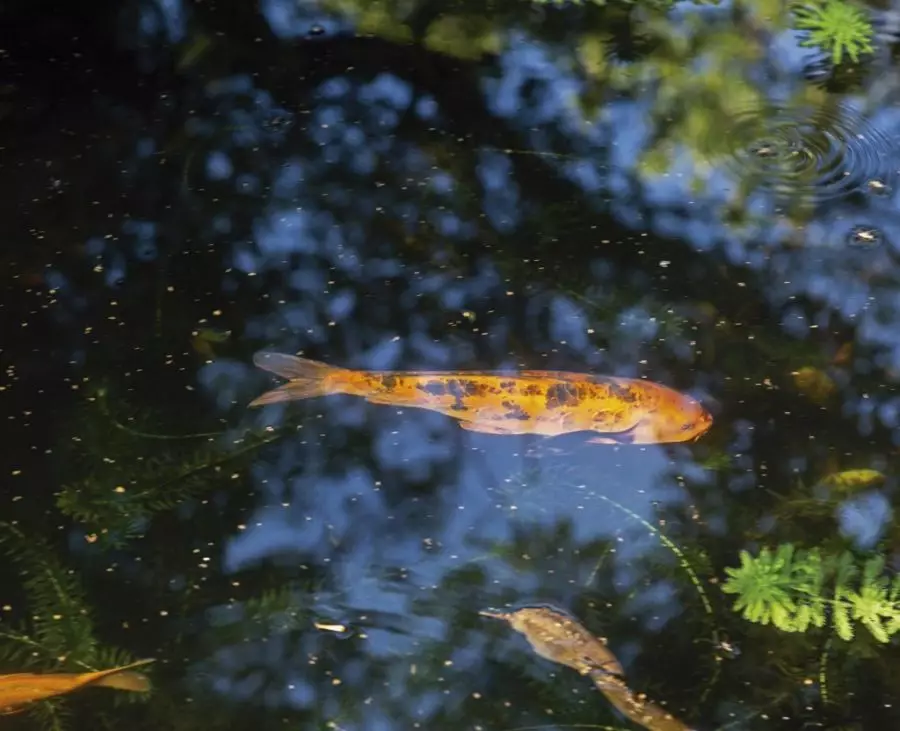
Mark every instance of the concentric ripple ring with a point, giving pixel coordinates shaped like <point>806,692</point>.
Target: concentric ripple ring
<point>806,152</point>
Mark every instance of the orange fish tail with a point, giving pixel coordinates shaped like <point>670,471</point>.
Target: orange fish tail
<point>123,678</point>
<point>307,378</point>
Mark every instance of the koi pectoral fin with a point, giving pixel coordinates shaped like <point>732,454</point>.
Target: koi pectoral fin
<point>483,428</point>
<point>389,400</point>
<point>602,440</point>
<point>622,437</point>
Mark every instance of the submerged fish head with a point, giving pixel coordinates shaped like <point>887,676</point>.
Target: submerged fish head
<point>677,418</point>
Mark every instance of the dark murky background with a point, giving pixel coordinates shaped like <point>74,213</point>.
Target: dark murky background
<point>698,200</point>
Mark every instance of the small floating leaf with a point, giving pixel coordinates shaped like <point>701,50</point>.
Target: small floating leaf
<point>851,481</point>
<point>815,384</point>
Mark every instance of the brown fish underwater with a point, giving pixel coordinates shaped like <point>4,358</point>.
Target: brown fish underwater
<point>20,689</point>
<point>560,638</point>
<point>549,403</point>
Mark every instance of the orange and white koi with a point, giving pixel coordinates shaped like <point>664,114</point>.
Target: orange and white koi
<point>548,403</point>
<point>19,689</point>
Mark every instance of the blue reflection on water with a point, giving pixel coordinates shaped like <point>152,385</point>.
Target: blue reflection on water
<point>365,519</point>
<point>865,518</point>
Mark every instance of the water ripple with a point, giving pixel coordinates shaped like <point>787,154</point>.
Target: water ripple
<point>809,153</point>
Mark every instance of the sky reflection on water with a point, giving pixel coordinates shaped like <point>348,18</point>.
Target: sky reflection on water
<point>498,198</point>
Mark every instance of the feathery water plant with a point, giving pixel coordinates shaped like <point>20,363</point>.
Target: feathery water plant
<point>838,27</point>
<point>794,589</point>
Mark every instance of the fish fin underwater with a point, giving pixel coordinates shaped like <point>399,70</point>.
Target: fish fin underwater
<point>602,440</point>
<point>488,428</point>
<point>126,678</point>
<point>20,690</point>
<point>622,437</point>
<point>306,378</point>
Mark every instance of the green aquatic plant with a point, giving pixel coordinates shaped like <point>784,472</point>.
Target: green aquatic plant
<point>657,4</point>
<point>838,27</point>
<point>796,589</point>
<point>59,632</point>
<point>128,476</point>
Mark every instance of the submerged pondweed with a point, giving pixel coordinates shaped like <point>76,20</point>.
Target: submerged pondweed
<point>558,637</point>
<point>797,589</point>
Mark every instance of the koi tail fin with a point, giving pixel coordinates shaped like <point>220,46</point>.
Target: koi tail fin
<point>307,378</point>
<point>125,679</point>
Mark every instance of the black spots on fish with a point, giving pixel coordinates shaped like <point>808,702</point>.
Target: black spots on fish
<point>433,388</point>
<point>389,382</point>
<point>562,394</point>
<point>532,390</point>
<point>454,386</point>
<point>622,393</point>
<point>608,418</point>
<point>473,388</point>
<point>456,389</point>
<point>508,386</point>
<point>514,411</point>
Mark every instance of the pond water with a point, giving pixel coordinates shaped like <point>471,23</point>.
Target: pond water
<point>686,194</point>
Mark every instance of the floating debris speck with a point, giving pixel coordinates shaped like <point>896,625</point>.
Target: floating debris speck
<point>864,237</point>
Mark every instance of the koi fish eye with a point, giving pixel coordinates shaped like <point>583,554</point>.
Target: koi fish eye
<point>685,427</point>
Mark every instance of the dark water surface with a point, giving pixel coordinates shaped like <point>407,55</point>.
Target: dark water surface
<point>438,186</point>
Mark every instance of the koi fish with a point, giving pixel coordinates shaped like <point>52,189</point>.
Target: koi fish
<point>548,403</point>
<point>20,689</point>
<point>556,636</point>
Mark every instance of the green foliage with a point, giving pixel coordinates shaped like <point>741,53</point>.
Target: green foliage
<point>60,624</point>
<point>59,630</point>
<point>602,3</point>
<point>129,478</point>
<point>836,26</point>
<point>795,589</point>
<point>568,2</point>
